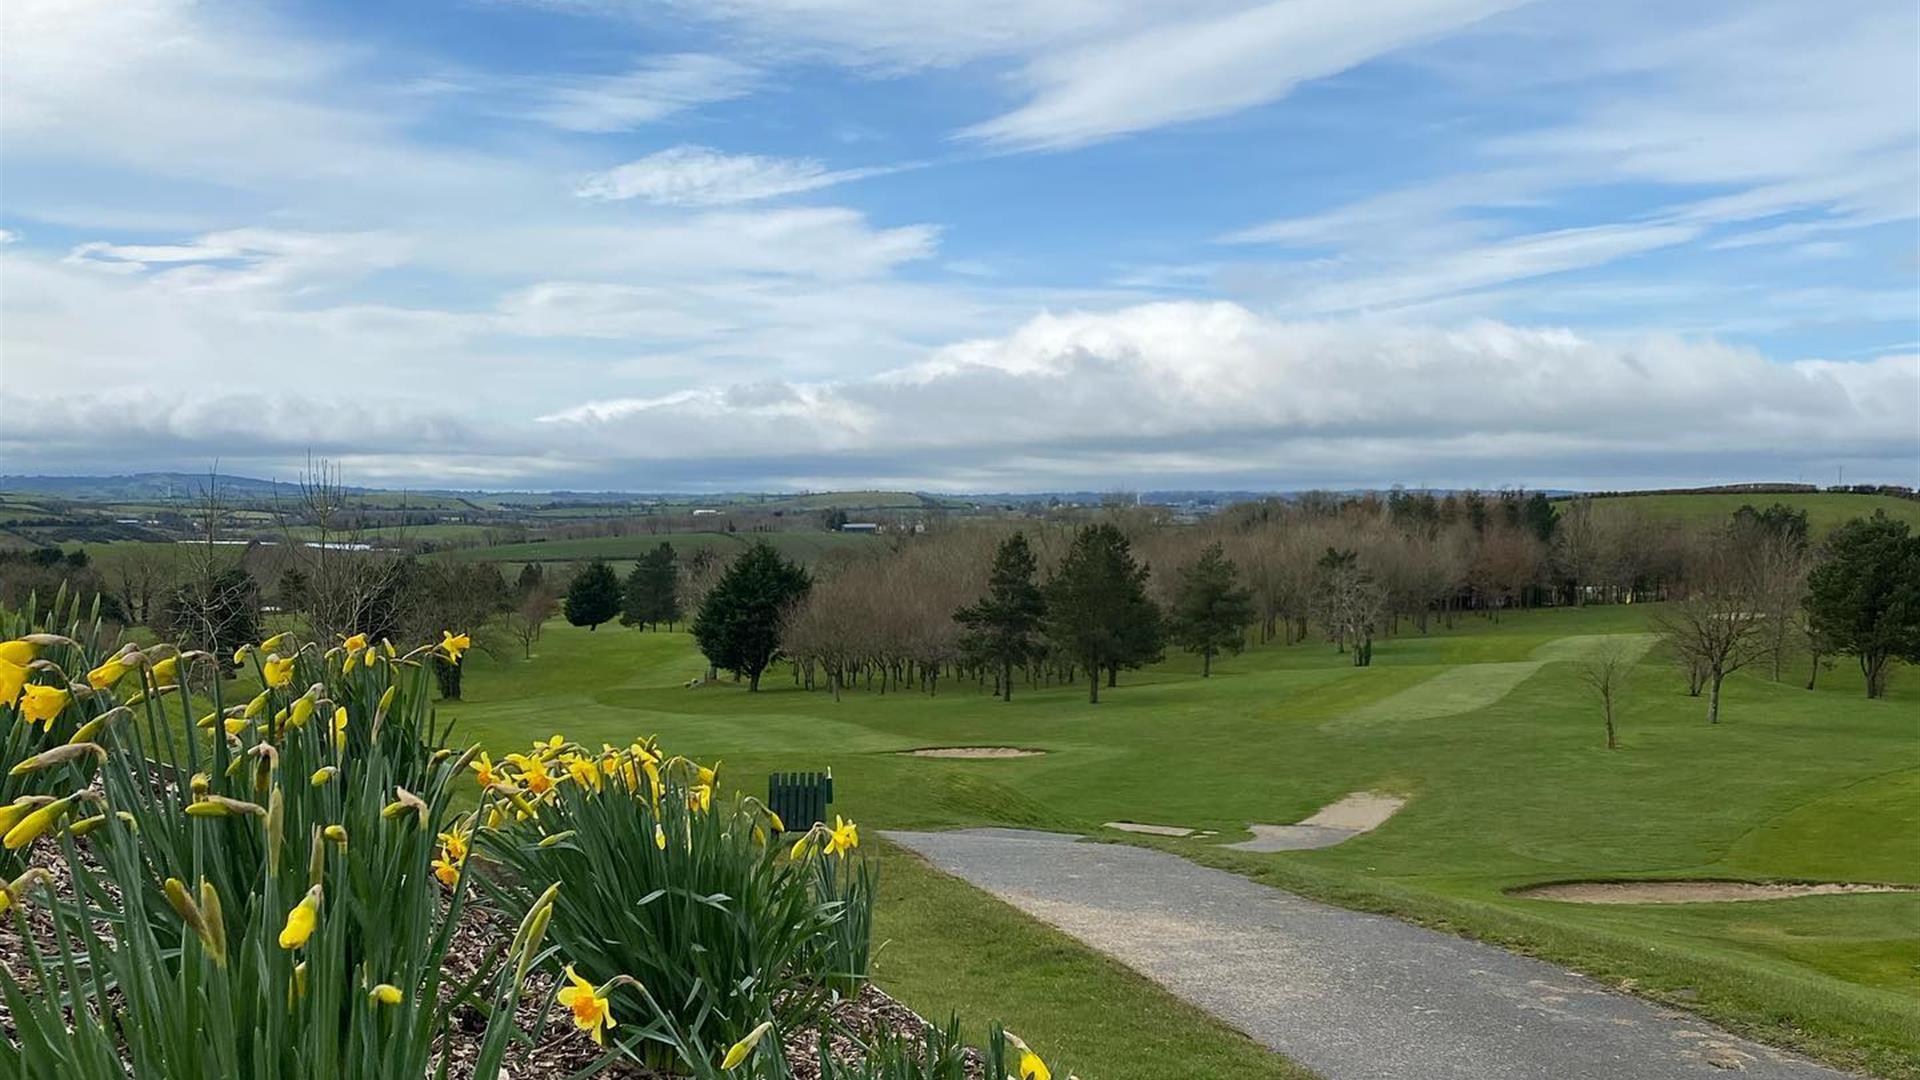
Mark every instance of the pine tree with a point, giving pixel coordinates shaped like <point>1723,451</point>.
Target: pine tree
<point>1210,610</point>
<point>633,596</point>
<point>593,597</point>
<point>738,627</point>
<point>1864,598</point>
<point>1002,629</point>
<point>651,595</point>
<point>1098,612</point>
<point>531,580</point>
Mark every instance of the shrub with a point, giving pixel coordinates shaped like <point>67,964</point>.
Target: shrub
<point>681,890</point>
<point>256,897</point>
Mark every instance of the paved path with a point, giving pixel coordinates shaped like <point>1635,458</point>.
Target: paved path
<point>1350,995</point>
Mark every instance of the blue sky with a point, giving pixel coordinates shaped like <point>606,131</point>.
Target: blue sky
<point>982,245</point>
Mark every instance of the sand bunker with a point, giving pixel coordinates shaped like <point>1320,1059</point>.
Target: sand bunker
<point>1150,830</point>
<point>1360,812</point>
<point>973,752</point>
<point>1693,892</point>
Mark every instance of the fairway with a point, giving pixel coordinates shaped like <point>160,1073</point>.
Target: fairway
<point>1486,731</point>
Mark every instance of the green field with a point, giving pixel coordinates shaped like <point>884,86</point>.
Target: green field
<point>804,546</point>
<point>1824,509</point>
<point>1485,728</point>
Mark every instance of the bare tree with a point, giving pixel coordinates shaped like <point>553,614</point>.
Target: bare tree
<point>1607,673</point>
<point>350,588</point>
<point>1715,630</point>
<point>525,618</point>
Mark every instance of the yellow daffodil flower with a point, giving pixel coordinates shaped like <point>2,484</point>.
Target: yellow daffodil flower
<point>323,775</point>
<point>278,672</point>
<point>106,674</point>
<point>273,642</point>
<point>454,843</point>
<point>355,643</point>
<point>447,871</point>
<point>302,920</point>
<point>738,1052</point>
<point>18,653</point>
<point>659,837</point>
<point>454,644</point>
<point>583,771</point>
<point>301,713</point>
<point>12,678</point>
<point>1029,1066</point>
<point>591,1012</point>
<point>42,704</point>
<point>167,672</point>
<point>35,824</point>
<point>845,837</point>
<point>386,994</point>
<point>484,771</point>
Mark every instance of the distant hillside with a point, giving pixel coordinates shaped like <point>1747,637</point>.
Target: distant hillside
<point>1825,509</point>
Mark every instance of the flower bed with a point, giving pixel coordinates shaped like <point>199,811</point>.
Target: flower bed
<point>313,883</point>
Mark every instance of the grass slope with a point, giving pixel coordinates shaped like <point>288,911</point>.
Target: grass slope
<point>1824,509</point>
<point>1508,781</point>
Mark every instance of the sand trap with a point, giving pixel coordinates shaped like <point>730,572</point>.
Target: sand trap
<point>1693,892</point>
<point>973,752</point>
<point>1360,812</point>
<point>1150,830</point>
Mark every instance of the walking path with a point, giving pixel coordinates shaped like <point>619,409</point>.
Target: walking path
<point>1350,995</point>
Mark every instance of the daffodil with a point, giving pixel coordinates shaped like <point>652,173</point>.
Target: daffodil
<point>454,843</point>
<point>166,672</point>
<point>258,706</point>
<point>273,642</point>
<point>447,871</point>
<point>35,824</point>
<point>1028,1065</point>
<point>107,674</point>
<point>659,837</point>
<point>591,1012</point>
<point>301,712</point>
<point>844,838</point>
<point>302,920</point>
<point>584,771</point>
<point>278,672</point>
<point>355,643</point>
<point>42,704</point>
<point>340,729</point>
<point>12,678</point>
<point>386,994</point>
<point>484,771</point>
<point>454,644</point>
<point>738,1052</point>
<point>17,652</point>
<point>323,775</point>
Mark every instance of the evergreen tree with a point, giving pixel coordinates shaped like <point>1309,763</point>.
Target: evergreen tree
<point>1210,609</point>
<point>594,596</point>
<point>1003,628</point>
<point>652,592</point>
<point>1865,598</point>
<point>1098,612</point>
<point>738,626</point>
<point>531,580</point>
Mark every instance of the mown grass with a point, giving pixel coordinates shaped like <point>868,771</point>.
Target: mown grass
<point>1506,789</point>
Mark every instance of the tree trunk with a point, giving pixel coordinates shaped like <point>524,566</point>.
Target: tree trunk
<point>1206,663</point>
<point>1113,674</point>
<point>1093,684</point>
<point>753,682</point>
<point>1611,743</point>
<point>1713,699</point>
<point>1874,666</point>
<point>1006,681</point>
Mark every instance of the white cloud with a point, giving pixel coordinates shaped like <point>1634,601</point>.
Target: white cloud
<point>1210,66</point>
<point>1232,393</point>
<point>653,91</point>
<point>699,176</point>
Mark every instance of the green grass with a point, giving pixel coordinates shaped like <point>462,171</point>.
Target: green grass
<point>1508,781</point>
<point>1824,509</point>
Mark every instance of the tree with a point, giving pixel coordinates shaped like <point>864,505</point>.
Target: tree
<point>738,627</point>
<point>1350,600</point>
<point>529,614</point>
<point>1211,610</point>
<point>1715,630</point>
<point>593,596</point>
<point>1606,673</point>
<point>1002,628</point>
<point>532,579</point>
<point>1098,613</point>
<point>218,613</point>
<point>652,592</point>
<point>1864,598</point>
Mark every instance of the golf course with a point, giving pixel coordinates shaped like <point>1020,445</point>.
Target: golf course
<point>1484,731</point>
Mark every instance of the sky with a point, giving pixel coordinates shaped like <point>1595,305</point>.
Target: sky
<point>963,245</point>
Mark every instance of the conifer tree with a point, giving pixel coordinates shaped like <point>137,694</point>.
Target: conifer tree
<point>594,596</point>
<point>738,626</point>
<point>1002,629</point>
<point>1210,610</point>
<point>1098,612</point>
